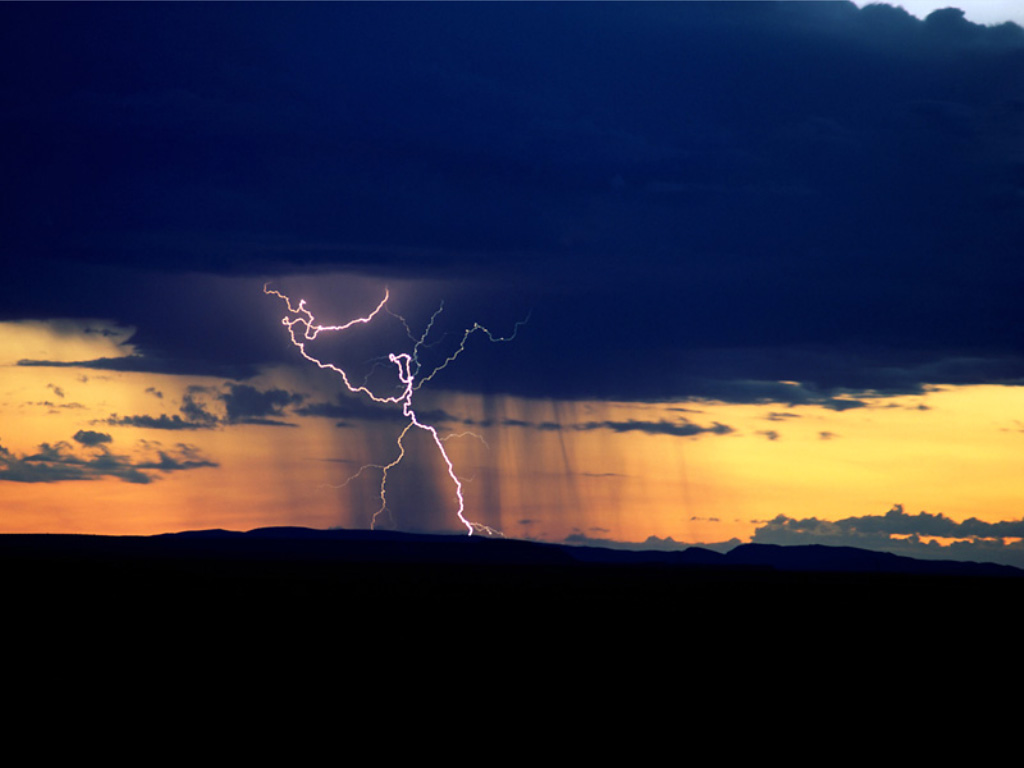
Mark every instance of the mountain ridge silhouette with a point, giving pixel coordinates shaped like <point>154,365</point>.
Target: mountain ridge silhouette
<point>286,593</point>
<point>297,544</point>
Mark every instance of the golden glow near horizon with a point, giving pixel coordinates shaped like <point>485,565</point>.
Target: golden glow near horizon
<point>62,341</point>
<point>536,469</point>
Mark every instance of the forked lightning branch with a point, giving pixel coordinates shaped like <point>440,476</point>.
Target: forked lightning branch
<point>303,329</point>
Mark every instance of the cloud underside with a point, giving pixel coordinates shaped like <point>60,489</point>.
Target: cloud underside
<point>60,462</point>
<point>347,410</point>
<point>154,364</point>
<point>836,379</point>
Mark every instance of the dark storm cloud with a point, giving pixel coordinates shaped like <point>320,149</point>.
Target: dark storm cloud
<point>248,405</point>
<point>766,391</point>
<point>838,378</point>
<point>658,181</point>
<point>150,364</point>
<point>348,409</point>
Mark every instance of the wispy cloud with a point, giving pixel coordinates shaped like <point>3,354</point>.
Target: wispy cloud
<point>212,408</point>
<point>682,428</point>
<point>675,429</point>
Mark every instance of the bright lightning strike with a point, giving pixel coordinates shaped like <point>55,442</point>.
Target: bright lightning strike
<point>303,328</point>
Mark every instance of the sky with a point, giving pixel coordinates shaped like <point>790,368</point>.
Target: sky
<point>986,12</point>
<point>663,274</point>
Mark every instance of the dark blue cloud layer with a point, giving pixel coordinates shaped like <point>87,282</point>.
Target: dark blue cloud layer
<point>660,182</point>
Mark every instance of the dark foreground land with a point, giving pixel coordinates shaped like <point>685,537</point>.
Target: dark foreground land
<point>291,577</point>
<point>195,628</point>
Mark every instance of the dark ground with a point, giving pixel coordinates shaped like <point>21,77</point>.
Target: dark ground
<point>279,581</point>
<point>356,634</point>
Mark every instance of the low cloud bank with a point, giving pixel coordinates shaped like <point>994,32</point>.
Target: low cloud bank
<point>905,534</point>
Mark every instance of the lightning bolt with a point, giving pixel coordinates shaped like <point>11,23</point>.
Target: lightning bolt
<point>303,328</point>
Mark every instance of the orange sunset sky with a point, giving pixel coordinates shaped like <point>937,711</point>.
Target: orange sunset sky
<point>534,468</point>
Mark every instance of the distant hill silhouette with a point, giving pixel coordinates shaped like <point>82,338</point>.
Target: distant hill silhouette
<point>295,545</point>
